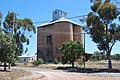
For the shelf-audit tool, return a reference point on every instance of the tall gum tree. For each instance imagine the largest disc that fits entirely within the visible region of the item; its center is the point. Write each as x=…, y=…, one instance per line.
x=20, y=29
x=102, y=26
x=13, y=35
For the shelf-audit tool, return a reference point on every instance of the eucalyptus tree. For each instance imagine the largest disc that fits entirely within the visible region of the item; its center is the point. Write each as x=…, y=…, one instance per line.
x=102, y=26
x=13, y=35
x=0, y=26
x=20, y=29
x=0, y=18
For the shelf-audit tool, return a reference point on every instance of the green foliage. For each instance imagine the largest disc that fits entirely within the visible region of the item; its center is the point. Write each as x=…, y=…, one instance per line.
x=41, y=61
x=0, y=35
x=28, y=42
x=8, y=49
x=80, y=62
x=38, y=62
x=21, y=30
x=104, y=56
x=96, y=5
x=71, y=50
x=23, y=38
x=102, y=28
x=107, y=11
x=116, y=57
x=35, y=63
x=0, y=18
x=55, y=61
x=96, y=56
x=0, y=15
x=13, y=35
x=25, y=63
x=65, y=60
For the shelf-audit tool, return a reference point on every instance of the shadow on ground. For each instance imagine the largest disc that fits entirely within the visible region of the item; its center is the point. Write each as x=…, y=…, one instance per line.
x=87, y=70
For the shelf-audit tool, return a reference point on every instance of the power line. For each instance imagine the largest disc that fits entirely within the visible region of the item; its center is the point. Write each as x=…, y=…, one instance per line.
x=83, y=17
x=77, y=17
x=41, y=22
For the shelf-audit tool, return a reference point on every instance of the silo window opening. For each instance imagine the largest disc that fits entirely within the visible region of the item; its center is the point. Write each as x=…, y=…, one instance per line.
x=55, y=12
x=49, y=39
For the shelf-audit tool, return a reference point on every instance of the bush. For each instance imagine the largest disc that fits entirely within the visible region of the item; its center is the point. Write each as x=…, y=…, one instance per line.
x=96, y=56
x=38, y=62
x=55, y=61
x=80, y=62
x=116, y=57
x=25, y=63
x=68, y=62
x=35, y=63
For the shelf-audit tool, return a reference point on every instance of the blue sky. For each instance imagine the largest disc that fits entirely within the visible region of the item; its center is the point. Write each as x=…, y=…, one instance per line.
x=41, y=10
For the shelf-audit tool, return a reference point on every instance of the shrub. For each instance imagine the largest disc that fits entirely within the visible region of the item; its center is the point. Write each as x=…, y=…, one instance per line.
x=116, y=57
x=55, y=61
x=96, y=56
x=38, y=62
x=25, y=63
x=80, y=62
x=35, y=63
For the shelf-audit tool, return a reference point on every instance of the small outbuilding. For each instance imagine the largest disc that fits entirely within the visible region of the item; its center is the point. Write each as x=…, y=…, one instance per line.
x=27, y=58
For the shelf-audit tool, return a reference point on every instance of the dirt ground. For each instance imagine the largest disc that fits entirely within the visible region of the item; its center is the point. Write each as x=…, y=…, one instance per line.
x=58, y=75
x=13, y=74
x=19, y=75
x=50, y=75
x=73, y=76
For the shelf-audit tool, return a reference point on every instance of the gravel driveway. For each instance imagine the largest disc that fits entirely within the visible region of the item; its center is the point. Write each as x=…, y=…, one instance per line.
x=50, y=74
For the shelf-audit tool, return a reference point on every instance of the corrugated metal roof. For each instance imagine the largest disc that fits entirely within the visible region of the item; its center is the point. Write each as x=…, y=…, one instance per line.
x=59, y=10
x=26, y=56
x=60, y=20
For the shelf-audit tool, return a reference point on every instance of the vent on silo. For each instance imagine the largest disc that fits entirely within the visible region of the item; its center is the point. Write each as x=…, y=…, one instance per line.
x=57, y=14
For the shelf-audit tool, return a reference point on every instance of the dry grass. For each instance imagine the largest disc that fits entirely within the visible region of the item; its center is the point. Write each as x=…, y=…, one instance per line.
x=26, y=75
x=90, y=64
x=13, y=74
x=102, y=64
x=20, y=75
x=34, y=76
x=43, y=66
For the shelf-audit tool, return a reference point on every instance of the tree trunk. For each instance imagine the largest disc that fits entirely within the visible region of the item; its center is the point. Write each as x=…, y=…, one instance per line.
x=109, y=51
x=73, y=57
x=109, y=61
x=5, y=66
x=72, y=64
x=84, y=62
x=9, y=66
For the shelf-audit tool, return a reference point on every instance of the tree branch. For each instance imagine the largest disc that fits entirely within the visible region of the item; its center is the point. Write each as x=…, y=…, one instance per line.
x=112, y=45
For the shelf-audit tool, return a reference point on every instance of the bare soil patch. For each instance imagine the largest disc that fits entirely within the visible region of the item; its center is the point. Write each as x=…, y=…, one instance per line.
x=13, y=74
x=74, y=76
x=20, y=75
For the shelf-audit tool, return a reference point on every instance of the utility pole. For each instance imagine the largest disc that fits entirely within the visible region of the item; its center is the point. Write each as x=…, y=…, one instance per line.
x=13, y=25
x=84, y=50
x=13, y=22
